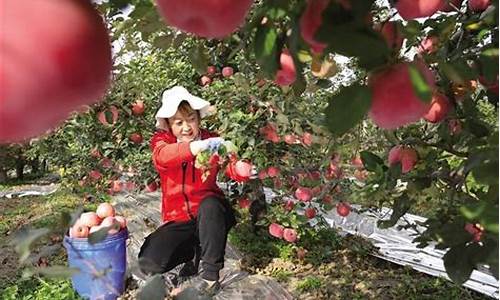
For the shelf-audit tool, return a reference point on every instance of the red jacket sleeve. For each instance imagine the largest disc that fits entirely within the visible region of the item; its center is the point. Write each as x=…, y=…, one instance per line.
x=167, y=152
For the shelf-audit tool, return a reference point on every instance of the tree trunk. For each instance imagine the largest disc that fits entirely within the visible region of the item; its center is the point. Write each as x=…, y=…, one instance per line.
x=35, y=166
x=3, y=176
x=20, y=169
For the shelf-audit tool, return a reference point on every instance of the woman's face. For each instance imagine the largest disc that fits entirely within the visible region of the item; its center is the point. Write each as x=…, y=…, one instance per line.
x=185, y=127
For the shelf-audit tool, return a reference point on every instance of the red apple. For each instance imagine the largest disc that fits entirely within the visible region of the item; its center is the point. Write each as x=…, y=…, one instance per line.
x=491, y=86
x=333, y=172
x=136, y=138
x=301, y=253
x=407, y=156
x=286, y=75
x=211, y=70
x=290, y=235
x=395, y=155
x=429, y=45
x=289, y=205
x=273, y=171
x=360, y=175
x=79, y=230
x=304, y=194
x=343, y=209
x=105, y=210
x=475, y=230
x=95, y=153
x=412, y=9
x=95, y=175
x=151, y=187
x=206, y=18
x=138, y=108
x=106, y=163
x=244, y=203
x=394, y=101
x=205, y=80
x=130, y=186
x=112, y=223
x=239, y=171
x=227, y=71
x=262, y=174
x=357, y=162
x=290, y=139
x=454, y=126
x=270, y=132
x=56, y=57
x=314, y=175
x=327, y=199
x=116, y=186
x=310, y=21
x=440, y=106
x=90, y=219
x=276, y=230
x=479, y=5
x=310, y=212
x=392, y=35
x=114, y=116
x=307, y=139
x=122, y=221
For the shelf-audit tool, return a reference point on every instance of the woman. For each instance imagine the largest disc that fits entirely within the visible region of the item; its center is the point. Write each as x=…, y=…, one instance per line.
x=196, y=216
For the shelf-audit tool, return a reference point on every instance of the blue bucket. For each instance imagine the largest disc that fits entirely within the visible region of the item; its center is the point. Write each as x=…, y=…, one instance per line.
x=102, y=265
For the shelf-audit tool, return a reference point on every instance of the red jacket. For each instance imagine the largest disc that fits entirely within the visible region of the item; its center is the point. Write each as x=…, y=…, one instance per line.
x=181, y=184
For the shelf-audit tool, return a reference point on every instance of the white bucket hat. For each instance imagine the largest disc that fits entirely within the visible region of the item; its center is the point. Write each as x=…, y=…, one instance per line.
x=171, y=99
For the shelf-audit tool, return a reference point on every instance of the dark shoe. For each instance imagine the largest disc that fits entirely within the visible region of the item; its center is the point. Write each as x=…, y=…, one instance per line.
x=198, y=287
x=188, y=270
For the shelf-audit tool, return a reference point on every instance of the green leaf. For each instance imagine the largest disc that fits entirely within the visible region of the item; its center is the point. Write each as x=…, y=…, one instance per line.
x=487, y=173
x=153, y=289
x=101, y=234
x=489, y=63
x=457, y=71
x=266, y=48
x=163, y=41
x=23, y=240
x=399, y=208
x=452, y=234
x=419, y=84
x=457, y=264
x=371, y=160
x=347, y=108
x=199, y=58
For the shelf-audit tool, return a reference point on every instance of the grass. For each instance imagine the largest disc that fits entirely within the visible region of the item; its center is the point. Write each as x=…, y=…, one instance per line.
x=39, y=288
x=309, y=284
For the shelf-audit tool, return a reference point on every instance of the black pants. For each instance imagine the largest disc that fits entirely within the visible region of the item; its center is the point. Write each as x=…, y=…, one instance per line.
x=179, y=242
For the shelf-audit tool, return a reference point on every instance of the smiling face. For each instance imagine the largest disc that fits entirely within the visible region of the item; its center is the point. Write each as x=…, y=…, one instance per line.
x=185, y=124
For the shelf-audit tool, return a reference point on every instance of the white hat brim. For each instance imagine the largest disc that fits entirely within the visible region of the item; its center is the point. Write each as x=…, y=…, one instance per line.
x=171, y=99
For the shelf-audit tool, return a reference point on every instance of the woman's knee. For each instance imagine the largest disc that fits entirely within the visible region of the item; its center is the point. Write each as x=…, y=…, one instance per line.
x=211, y=205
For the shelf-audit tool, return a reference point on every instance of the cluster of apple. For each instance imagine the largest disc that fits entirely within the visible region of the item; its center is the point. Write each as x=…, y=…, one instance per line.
x=217, y=155
x=280, y=232
x=211, y=73
x=270, y=133
x=103, y=217
x=109, y=117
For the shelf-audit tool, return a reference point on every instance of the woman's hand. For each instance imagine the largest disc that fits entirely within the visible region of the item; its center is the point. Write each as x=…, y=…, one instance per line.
x=210, y=143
